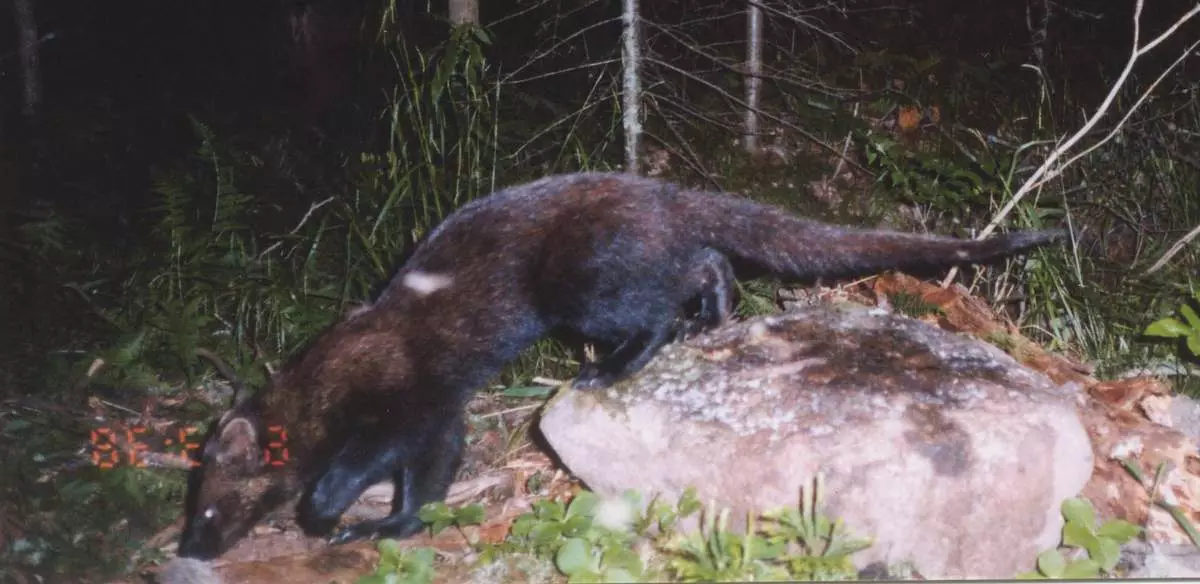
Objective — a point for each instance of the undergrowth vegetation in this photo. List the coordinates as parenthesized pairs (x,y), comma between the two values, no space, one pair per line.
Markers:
(627,539)
(235,258)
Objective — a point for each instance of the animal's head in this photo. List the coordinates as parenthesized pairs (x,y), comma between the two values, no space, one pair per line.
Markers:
(231,489)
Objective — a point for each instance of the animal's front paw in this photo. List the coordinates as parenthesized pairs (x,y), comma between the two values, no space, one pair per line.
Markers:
(353,533)
(591,377)
(314,523)
(393,526)
(692,328)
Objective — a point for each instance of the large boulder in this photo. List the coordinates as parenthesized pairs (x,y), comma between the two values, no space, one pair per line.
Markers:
(942,448)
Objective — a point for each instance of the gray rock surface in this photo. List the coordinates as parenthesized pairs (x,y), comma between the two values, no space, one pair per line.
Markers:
(942,448)
(1157,561)
(1185,416)
(188,571)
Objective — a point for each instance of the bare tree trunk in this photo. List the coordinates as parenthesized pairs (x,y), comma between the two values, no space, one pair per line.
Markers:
(753,73)
(631,94)
(1037,20)
(464,12)
(27,47)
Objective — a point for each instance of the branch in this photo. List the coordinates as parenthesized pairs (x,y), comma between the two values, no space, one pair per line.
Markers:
(765,114)
(1044,173)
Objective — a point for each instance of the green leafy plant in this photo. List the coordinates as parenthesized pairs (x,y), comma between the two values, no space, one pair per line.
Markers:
(715,554)
(439,516)
(593,540)
(925,178)
(398,565)
(786,544)
(585,548)
(818,549)
(1187,329)
(1102,545)
(662,517)
(1180,517)
(914,306)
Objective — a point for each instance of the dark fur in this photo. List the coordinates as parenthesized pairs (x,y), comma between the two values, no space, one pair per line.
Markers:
(607,257)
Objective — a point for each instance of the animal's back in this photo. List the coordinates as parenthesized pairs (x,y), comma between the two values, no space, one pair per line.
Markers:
(562,233)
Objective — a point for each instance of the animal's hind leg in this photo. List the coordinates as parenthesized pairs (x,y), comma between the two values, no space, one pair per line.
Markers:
(421,479)
(630,356)
(711,281)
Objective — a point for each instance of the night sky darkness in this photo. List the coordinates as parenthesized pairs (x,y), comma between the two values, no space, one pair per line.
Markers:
(121,77)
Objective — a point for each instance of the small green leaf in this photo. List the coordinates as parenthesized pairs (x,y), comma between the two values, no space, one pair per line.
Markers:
(437,515)
(1076,535)
(389,548)
(1193,343)
(1077,510)
(532,391)
(688,502)
(583,504)
(1081,569)
(1167,328)
(1182,520)
(473,514)
(1105,552)
(1190,316)
(422,555)
(617,575)
(577,525)
(1030,576)
(550,510)
(623,559)
(1118,530)
(544,533)
(523,525)
(573,556)
(1051,563)
(1131,467)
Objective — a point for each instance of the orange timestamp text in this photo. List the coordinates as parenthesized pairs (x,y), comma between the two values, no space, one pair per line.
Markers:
(112,447)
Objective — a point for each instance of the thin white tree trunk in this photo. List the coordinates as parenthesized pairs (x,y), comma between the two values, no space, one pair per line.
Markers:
(1037,20)
(27,47)
(753,73)
(631,98)
(464,12)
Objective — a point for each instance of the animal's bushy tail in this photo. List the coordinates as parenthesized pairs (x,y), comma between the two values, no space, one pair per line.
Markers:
(775,241)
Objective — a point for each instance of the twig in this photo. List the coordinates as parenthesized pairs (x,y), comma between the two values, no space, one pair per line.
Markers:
(742,103)
(509,411)
(303,220)
(1044,172)
(1175,248)
(120,407)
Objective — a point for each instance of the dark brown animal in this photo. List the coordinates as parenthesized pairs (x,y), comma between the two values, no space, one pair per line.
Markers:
(612,258)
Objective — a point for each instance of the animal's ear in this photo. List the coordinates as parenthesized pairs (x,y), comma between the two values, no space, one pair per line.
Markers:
(238,444)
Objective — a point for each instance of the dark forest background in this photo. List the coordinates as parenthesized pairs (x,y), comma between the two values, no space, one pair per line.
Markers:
(233,175)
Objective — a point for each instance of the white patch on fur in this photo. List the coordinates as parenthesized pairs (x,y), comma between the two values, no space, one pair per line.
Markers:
(426,284)
(962,254)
